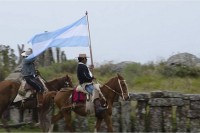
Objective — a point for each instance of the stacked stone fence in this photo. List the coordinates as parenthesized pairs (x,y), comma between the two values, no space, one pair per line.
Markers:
(158,111)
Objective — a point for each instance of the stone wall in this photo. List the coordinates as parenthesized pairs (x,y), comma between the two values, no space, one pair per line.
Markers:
(158,111)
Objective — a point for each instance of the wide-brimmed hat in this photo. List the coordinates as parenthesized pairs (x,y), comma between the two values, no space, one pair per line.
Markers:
(26,53)
(82,56)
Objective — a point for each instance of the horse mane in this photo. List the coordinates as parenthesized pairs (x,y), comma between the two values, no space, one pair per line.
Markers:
(108,85)
(58,83)
(54,80)
(111,80)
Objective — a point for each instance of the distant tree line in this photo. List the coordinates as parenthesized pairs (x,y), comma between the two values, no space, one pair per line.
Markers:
(9,60)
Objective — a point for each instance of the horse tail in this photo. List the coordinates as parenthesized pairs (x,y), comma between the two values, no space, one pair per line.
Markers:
(48,100)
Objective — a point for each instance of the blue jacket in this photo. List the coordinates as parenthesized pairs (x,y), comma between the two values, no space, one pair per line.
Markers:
(83,74)
(28,67)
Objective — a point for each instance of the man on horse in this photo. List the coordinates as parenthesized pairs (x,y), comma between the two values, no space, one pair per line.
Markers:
(85,78)
(29,75)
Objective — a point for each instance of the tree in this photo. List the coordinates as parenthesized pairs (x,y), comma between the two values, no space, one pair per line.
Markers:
(7,60)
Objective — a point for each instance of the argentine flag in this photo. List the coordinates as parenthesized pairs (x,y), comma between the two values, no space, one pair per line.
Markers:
(74,35)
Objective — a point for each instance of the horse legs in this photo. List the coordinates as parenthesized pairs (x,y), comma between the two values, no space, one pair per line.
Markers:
(98,124)
(108,121)
(44,121)
(4,122)
(51,128)
(56,117)
(68,120)
(5,125)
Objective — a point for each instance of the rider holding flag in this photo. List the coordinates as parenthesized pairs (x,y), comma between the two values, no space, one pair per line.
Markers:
(85,78)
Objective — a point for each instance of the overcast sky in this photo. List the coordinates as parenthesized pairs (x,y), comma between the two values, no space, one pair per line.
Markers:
(121,30)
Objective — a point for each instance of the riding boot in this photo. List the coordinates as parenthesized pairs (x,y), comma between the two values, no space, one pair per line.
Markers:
(98,108)
(39,99)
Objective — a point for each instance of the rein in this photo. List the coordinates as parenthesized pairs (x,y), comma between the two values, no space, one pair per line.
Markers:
(112,89)
(119,81)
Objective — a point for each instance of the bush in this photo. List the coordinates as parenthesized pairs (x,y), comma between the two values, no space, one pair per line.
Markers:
(58,69)
(180,71)
(69,66)
(131,71)
(106,69)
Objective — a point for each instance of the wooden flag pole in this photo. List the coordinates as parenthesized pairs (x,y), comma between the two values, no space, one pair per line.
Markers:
(92,64)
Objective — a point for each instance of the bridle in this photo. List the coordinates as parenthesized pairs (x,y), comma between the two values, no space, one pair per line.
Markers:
(122,92)
(67,83)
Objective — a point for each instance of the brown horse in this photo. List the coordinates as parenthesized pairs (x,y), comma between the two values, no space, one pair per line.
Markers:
(111,90)
(9,90)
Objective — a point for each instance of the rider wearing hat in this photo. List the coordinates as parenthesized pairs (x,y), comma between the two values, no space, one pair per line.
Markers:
(85,78)
(29,74)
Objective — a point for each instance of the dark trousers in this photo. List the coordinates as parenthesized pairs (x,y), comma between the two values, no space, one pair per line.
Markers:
(31,80)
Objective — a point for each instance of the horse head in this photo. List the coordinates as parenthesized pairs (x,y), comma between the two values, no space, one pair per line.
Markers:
(122,88)
(59,83)
(67,81)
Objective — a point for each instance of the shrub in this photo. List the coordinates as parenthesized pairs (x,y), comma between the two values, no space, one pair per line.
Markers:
(106,69)
(131,71)
(57,69)
(179,71)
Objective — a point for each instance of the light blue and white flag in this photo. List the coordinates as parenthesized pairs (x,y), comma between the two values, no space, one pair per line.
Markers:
(74,35)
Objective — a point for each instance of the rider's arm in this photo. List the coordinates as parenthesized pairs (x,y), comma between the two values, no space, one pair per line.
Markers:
(87,75)
(27,60)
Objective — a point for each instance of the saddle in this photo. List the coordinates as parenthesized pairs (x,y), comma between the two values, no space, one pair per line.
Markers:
(81,97)
(24,88)
(25,91)
(78,96)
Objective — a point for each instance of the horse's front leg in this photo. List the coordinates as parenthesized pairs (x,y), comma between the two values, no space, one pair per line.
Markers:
(4,122)
(68,120)
(98,125)
(56,117)
(108,121)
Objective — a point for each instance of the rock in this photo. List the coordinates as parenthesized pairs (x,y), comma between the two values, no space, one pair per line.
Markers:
(185,59)
(119,66)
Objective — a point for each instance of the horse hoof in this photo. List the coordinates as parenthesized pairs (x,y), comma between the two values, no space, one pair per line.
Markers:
(37,124)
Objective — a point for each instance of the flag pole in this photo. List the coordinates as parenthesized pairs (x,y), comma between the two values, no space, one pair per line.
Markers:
(92,64)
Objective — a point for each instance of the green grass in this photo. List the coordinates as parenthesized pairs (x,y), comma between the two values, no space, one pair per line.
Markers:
(183,85)
(140,78)
(26,128)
